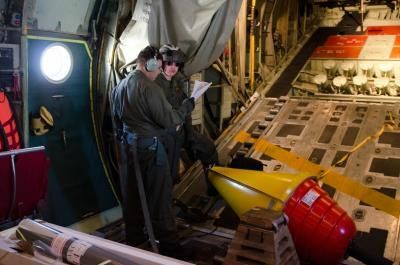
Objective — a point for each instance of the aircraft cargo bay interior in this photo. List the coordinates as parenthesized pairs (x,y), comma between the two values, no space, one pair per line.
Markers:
(199,132)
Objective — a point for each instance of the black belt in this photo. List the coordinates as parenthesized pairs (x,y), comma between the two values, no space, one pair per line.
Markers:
(151,143)
(142,141)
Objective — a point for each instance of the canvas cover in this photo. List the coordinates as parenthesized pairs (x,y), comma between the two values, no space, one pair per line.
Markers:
(201,28)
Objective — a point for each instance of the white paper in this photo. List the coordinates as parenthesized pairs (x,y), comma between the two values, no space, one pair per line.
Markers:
(199,88)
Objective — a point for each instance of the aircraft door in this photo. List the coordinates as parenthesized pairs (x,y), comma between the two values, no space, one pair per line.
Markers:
(78,184)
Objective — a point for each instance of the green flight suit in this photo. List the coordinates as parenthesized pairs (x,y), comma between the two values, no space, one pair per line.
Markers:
(197,145)
(142,109)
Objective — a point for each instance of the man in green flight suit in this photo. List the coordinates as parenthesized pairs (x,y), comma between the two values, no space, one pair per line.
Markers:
(142,113)
(172,80)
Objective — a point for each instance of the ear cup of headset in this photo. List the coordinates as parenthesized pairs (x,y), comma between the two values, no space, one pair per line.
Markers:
(152,64)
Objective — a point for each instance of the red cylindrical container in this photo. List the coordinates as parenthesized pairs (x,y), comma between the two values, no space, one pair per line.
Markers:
(321,230)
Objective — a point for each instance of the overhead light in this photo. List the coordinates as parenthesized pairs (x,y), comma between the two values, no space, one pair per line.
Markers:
(56,63)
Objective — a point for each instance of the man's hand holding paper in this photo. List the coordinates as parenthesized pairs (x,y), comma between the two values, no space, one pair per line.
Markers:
(199,88)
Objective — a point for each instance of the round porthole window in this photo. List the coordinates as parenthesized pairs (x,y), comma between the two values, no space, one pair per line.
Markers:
(56,63)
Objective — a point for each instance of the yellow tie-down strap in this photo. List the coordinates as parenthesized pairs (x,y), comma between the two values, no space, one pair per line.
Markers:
(338,181)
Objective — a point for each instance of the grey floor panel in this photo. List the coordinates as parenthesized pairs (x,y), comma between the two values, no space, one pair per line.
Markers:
(323,131)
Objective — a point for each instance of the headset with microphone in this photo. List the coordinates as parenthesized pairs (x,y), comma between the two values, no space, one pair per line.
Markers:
(151,64)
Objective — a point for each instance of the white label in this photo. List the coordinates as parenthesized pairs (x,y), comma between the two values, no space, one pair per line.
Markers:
(76,250)
(310,197)
(58,243)
(377,47)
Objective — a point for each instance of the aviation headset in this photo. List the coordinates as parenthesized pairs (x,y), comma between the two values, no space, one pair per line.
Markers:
(151,64)
(42,122)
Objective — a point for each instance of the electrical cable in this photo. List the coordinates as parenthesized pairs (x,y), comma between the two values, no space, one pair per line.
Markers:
(391,125)
(201,234)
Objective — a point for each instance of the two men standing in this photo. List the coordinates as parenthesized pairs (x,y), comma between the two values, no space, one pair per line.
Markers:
(152,123)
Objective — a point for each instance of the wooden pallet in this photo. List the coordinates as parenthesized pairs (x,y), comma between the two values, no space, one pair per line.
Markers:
(262,238)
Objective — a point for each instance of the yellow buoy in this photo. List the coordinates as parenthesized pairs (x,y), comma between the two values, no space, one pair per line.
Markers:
(245,189)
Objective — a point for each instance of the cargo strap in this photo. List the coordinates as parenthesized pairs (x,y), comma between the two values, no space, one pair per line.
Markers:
(142,196)
(336,180)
